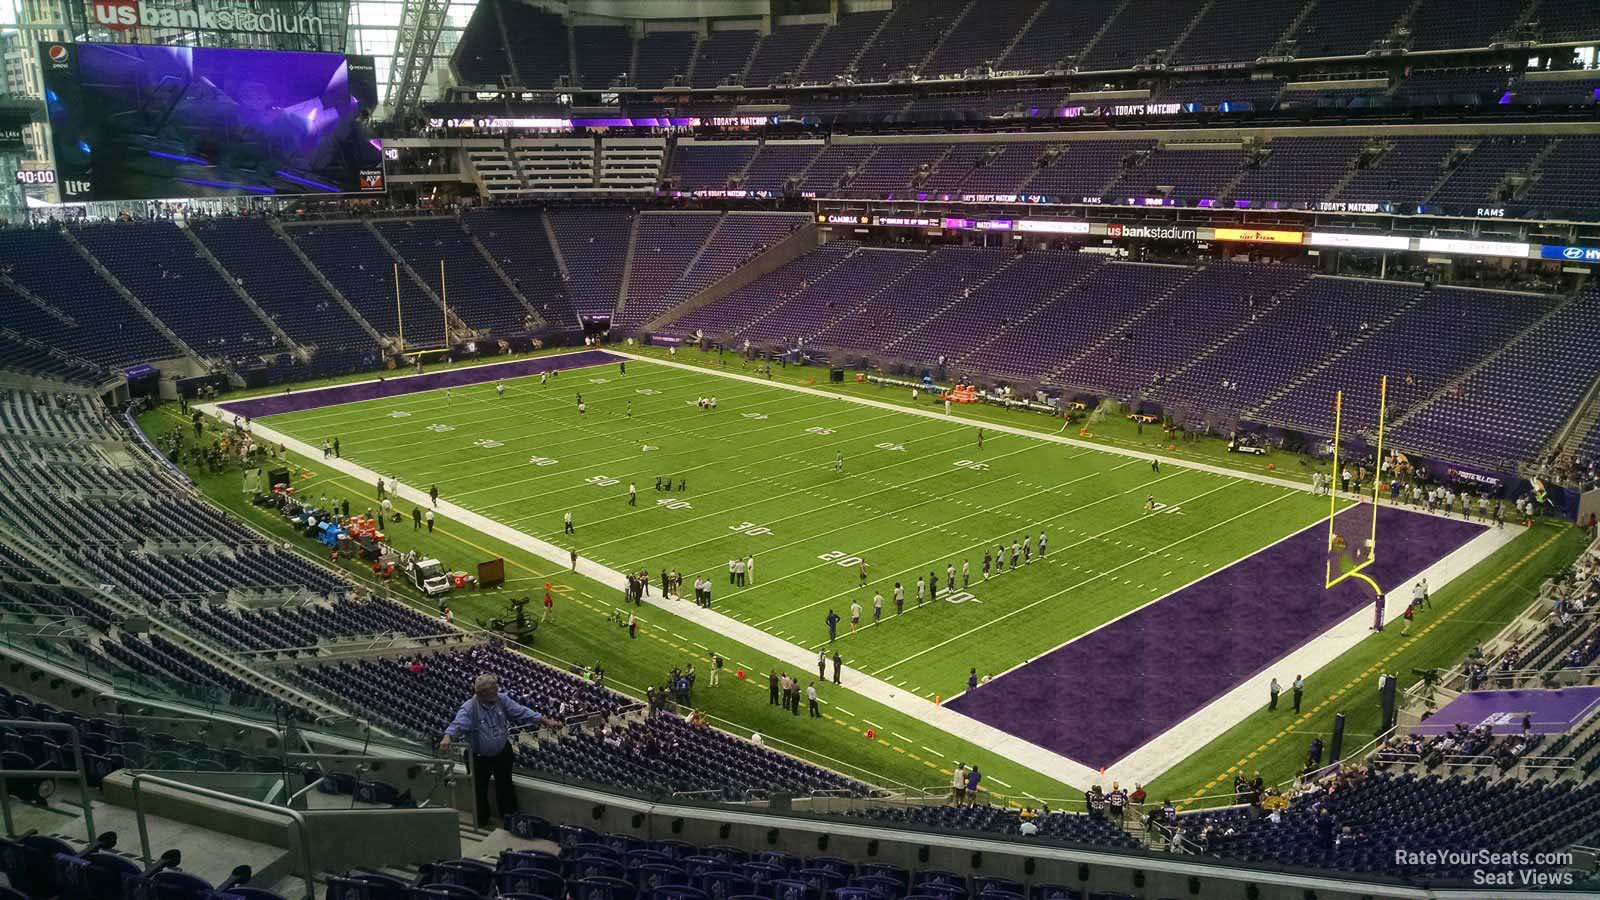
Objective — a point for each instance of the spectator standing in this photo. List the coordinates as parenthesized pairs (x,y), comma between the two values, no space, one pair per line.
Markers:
(1299,691)
(485,719)
(811,701)
(1272,693)
(1118,801)
(958,784)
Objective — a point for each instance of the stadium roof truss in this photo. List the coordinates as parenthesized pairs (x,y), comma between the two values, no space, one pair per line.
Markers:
(421,22)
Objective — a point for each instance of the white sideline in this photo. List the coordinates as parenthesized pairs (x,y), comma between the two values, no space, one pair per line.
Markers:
(1143,765)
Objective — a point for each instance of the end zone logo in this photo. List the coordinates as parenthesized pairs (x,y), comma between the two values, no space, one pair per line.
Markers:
(117,15)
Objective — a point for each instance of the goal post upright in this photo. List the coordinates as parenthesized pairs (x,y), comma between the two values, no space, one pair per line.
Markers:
(1371,548)
(1333,495)
(1377,471)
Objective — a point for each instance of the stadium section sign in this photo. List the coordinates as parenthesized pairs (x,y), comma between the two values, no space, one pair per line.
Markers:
(120,15)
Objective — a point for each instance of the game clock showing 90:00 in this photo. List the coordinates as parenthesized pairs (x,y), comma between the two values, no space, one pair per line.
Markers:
(36,176)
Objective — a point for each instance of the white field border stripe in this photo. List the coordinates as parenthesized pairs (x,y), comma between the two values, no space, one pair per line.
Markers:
(1211,721)
(1045,762)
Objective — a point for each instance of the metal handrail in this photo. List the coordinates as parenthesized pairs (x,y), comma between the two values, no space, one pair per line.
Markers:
(296,817)
(81,774)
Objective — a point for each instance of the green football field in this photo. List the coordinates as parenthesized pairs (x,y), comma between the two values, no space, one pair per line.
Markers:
(810,486)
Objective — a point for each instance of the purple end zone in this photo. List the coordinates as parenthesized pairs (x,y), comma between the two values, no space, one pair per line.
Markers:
(276,404)
(1552,712)
(1107,693)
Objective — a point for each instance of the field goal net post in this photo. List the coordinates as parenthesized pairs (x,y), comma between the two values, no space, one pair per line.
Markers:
(1350,554)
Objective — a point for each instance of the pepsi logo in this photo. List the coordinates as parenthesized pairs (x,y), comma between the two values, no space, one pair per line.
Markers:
(57,53)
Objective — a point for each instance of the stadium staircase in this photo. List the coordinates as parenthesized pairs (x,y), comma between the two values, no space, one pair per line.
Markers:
(1535,166)
(1355,169)
(340,298)
(749,58)
(802,241)
(704,243)
(694,61)
(1116,331)
(736,180)
(505,44)
(1199,16)
(1465,378)
(1266,306)
(244,296)
(1334,357)
(1404,22)
(867,44)
(494,266)
(945,35)
(427,290)
(1105,26)
(806,57)
(1580,423)
(122,290)
(573,70)
(43,305)
(1038,10)
(627,266)
(1284,44)
(1452,164)
(555,246)
(1040,306)
(951,300)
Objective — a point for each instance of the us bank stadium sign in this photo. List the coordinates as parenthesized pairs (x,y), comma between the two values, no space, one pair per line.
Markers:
(120,15)
(1159,232)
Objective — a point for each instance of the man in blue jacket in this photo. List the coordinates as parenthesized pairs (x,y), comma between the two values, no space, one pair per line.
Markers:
(485,720)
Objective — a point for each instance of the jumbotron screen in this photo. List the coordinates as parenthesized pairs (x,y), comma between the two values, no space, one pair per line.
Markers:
(137,122)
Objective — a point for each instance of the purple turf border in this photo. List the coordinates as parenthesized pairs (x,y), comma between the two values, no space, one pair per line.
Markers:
(1110,691)
(287,402)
